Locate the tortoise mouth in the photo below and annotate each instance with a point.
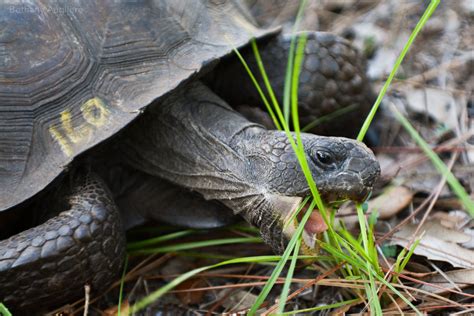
(356, 196)
(313, 228)
(316, 225)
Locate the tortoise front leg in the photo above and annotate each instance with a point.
(150, 197)
(50, 263)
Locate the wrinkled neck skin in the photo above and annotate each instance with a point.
(197, 141)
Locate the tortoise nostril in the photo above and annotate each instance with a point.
(357, 165)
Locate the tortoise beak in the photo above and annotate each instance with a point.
(356, 179)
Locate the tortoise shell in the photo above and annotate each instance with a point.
(73, 73)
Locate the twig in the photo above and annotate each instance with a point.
(87, 292)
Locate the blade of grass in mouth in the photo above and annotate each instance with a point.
(294, 215)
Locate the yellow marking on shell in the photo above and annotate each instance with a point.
(72, 131)
(74, 134)
(62, 141)
(95, 112)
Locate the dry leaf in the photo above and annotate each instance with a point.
(388, 204)
(177, 266)
(239, 300)
(437, 103)
(470, 243)
(453, 219)
(423, 177)
(191, 297)
(461, 278)
(392, 201)
(438, 243)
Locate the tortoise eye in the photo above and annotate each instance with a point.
(323, 157)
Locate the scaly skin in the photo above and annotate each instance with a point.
(52, 262)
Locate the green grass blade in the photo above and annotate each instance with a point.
(298, 147)
(289, 65)
(364, 258)
(159, 239)
(371, 288)
(373, 254)
(287, 86)
(149, 299)
(437, 162)
(299, 55)
(296, 212)
(196, 244)
(402, 259)
(426, 15)
(353, 246)
(276, 272)
(341, 256)
(299, 153)
(371, 292)
(122, 282)
(329, 117)
(322, 308)
(363, 228)
(299, 150)
(266, 81)
(410, 253)
(263, 73)
(355, 262)
(163, 290)
(398, 293)
(4, 310)
(398, 263)
(289, 277)
(259, 89)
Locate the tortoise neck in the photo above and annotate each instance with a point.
(191, 140)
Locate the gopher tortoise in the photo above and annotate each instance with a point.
(108, 117)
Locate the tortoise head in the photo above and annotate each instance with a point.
(343, 169)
